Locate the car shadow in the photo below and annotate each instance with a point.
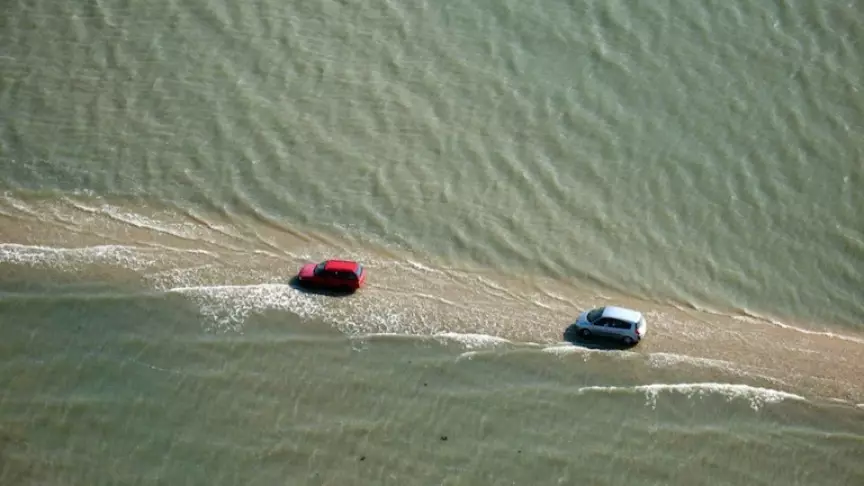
(571, 335)
(309, 289)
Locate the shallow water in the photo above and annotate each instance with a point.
(126, 398)
(498, 167)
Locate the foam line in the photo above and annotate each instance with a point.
(757, 397)
(469, 340)
(46, 255)
(817, 333)
(473, 341)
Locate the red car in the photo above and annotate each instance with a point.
(342, 275)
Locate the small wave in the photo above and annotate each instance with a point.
(671, 359)
(470, 341)
(517, 348)
(779, 324)
(566, 348)
(388, 335)
(495, 287)
(758, 397)
(228, 306)
(125, 256)
(541, 304)
(419, 266)
(186, 230)
(473, 341)
(691, 306)
(478, 344)
(167, 279)
(167, 248)
(557, 297)
(435, 298)
(131, 257)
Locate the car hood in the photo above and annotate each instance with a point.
(307, 271)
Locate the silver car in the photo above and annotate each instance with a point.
(615, 322)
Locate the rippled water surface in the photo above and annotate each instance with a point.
(499, 167)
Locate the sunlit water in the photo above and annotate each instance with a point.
(498, 167)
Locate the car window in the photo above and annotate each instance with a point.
(319, 270)
(359, 269)
(621, 324)
(599, 323)
(595, 314)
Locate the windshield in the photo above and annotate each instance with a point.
(319, 268)
(595, 314)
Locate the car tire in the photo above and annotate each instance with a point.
(585, 333)
(629, 341)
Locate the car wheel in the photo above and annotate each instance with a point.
(628, 341)
(585, 333)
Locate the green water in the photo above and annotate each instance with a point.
(499, 167)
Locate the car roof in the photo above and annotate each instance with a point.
(622, 314)
(340, 266)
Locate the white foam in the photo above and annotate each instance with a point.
(191, 276)
(469, 355)
(194, 251)
(473, 341)
(421, 267)
(491, 284)
(398, 335)
(479, 344)
(228, 306)
(802, 330)
(757, 397)
(672, 359)
(557, 297)
(541, 304)
(566, 348)
(180, 230)
(819, 333)
(435, 298)
(520, 347)
(125, 256)
(18, 205)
